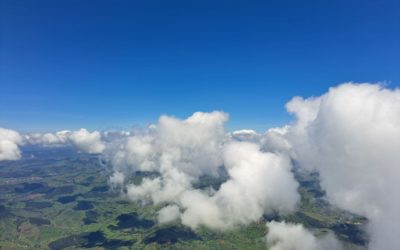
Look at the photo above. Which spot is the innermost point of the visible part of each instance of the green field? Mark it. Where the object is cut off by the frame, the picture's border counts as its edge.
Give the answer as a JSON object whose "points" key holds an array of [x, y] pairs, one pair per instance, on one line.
{"points": [[61, 200]]}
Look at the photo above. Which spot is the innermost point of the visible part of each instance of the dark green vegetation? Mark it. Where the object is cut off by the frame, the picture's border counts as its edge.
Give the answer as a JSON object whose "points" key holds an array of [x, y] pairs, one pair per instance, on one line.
{"points": [[60, 200], [171, 235], [132, 221], [89, 240], [83, 205]]}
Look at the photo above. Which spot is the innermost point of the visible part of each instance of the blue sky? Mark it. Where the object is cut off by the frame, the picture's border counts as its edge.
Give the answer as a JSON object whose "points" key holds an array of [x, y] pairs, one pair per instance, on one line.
{"points": [[117, 64]]}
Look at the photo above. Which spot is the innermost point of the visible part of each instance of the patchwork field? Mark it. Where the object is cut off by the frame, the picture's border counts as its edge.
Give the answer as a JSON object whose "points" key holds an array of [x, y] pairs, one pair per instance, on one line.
{"points": [[58, 199]]}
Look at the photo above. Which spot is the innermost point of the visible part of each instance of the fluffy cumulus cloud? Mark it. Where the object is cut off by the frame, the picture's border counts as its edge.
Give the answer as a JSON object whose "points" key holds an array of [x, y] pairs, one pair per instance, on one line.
{"points": [[10, 141], [287, 236], [49, 139], [258, 183], [89, 142], [273, 140], [181, 151], [245, 135], [117, 179], [351, 135], [168, 214], [191, 146]]}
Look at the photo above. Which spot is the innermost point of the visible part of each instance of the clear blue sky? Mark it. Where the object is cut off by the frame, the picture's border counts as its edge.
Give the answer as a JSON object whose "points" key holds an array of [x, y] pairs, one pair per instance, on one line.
{"points": [[114, 64]]}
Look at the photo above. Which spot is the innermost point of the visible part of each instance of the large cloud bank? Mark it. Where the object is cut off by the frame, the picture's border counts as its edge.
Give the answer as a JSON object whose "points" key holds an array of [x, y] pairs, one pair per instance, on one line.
{"points": [[182, 151], [10, 141], [351, 135]]}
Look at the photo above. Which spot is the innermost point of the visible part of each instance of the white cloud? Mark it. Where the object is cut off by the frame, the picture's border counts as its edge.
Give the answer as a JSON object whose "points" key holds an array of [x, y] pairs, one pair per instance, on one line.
{"points": [[183, 150], [10, 141], [274, 140], [191, 146], [114, 135], [245, 135], [89, 142], [287, 236], [49, 139], [259, 183], [180, 150], [117, 179], [351, 135], [168, 214]]}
